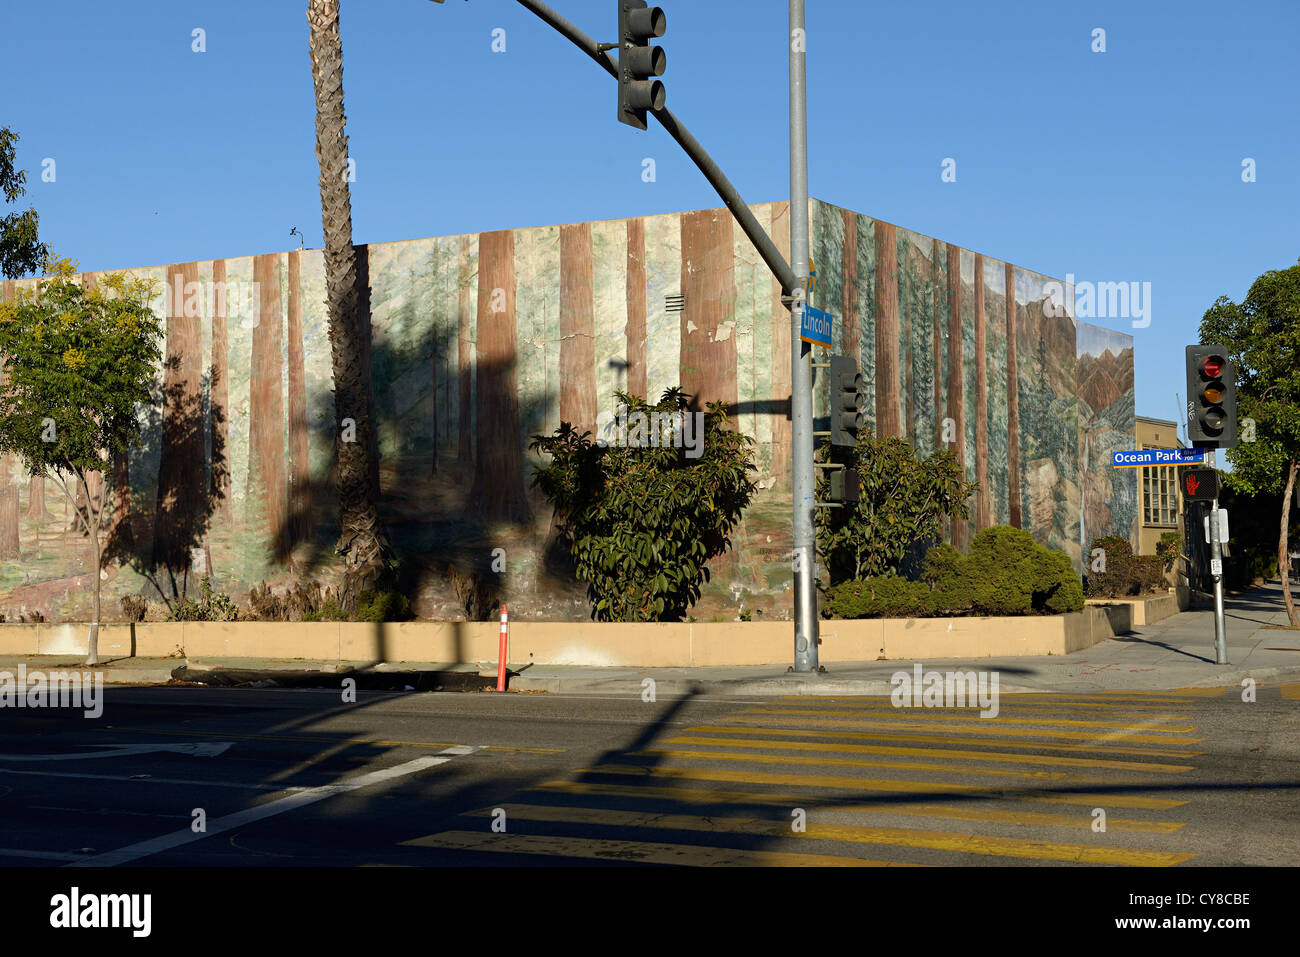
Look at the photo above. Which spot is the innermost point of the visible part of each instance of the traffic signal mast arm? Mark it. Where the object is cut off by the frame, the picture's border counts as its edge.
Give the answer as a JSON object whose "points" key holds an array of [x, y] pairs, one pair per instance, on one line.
{"points": [[721, 185]]}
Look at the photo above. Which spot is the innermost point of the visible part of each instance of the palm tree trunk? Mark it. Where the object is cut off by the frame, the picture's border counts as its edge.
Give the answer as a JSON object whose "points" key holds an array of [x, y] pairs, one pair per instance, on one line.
{"points": [[361, 543]]}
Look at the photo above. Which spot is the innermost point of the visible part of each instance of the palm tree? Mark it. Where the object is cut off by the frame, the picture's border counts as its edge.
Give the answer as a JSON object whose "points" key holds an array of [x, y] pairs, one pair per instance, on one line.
{"points": [[362, 544]]}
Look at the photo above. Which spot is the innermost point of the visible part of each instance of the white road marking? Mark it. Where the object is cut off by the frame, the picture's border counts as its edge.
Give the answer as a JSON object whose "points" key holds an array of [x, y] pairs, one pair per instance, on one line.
{"points": [[290, 802], [198, 750], [38, 855], [139, 780]]}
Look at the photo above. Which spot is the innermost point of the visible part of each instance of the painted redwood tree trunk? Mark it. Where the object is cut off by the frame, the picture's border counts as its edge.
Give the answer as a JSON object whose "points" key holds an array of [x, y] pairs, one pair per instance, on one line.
{"points": [[180, 505], [577, 329], [300, 523], [219, 404], [267, 472], [888, 417], [708, 318], [636, 308], [361, 543], [498, 487]]}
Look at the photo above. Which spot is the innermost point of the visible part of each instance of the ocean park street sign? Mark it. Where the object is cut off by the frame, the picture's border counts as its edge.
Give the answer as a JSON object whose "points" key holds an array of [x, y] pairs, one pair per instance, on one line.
{"points": [[1157, 457]]}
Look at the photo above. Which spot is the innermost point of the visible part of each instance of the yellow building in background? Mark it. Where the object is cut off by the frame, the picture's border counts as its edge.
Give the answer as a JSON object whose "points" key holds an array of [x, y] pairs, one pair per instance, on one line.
{"points": [[1160, 506]]}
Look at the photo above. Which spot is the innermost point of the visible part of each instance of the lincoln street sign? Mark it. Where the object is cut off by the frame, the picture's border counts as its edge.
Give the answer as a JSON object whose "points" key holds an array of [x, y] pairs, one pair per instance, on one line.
{"points": [[1149, 457], [815, 327]]}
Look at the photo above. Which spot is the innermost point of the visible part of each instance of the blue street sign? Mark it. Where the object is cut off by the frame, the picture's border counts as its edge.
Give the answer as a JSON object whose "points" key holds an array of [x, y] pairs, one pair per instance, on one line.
{"points": [[815, 327], [1150, 457]]}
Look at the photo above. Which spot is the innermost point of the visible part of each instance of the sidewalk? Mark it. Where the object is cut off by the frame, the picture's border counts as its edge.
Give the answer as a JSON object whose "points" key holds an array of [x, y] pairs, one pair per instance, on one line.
{"points": [[1175, 653]]}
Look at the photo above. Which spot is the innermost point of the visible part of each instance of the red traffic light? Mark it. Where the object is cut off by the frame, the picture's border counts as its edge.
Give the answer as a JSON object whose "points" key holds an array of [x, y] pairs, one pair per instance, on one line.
{"points": [[1212, 367]]}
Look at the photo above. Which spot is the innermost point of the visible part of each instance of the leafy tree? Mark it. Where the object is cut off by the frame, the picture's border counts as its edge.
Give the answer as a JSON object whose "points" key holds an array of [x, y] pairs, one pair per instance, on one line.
{"points": [[643, 521], [21, 250], [78, 363], [902, 501], [1262, 336]]}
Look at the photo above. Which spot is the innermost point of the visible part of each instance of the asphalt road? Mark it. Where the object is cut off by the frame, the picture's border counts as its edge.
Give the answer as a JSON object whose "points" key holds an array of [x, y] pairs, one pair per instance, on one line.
{"points": [[298, 777]]}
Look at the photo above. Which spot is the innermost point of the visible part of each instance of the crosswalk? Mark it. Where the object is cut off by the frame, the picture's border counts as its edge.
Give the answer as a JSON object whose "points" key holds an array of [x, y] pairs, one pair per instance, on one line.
{"points": [[808, 781]]}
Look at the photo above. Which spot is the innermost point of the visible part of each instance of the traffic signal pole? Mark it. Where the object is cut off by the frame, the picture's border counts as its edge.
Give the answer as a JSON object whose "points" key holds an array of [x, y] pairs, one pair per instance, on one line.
{"points": [[794, 283], [804, 482], [1216, 557]]}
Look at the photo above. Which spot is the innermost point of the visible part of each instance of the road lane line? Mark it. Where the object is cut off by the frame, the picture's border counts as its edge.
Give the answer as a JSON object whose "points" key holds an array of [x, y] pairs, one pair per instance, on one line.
{"points": [[933, 714], [150, 780], [991, 727], [982, 844], [290, 802], [824, 762], [38, 855], [715, 798], [887, 785], [633, 852], [962, 739], [1003, 757]]}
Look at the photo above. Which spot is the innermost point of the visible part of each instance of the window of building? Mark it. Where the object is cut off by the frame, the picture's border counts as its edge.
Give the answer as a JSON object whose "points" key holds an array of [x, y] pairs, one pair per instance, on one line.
{"points": [[1160, 496]]}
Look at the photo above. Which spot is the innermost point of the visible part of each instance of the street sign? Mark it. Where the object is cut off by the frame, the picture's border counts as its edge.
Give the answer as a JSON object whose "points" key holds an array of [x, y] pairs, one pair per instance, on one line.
{"points": [[1156, 457], [815, 327], [1221, 527], [1200, 485]]}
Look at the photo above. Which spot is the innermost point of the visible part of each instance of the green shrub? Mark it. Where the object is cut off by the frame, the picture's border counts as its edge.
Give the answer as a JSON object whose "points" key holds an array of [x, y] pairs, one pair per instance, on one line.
{"points": [[1005, 573], [211, 606], [884, 596], [1115, 572], [1111, 571], [1169, 548], [642, 521], [385, 605]]}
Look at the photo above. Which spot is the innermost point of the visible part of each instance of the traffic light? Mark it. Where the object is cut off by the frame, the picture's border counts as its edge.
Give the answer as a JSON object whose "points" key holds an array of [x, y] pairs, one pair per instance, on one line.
{"points": [[844, 486], [638, 61], [847, 401], [1211, 398], [1200, 485]]}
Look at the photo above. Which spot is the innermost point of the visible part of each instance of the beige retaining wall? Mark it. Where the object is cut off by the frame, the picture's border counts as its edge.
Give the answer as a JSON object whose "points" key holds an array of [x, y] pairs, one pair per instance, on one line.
{"points": [[665, 645], [1148, 611]]}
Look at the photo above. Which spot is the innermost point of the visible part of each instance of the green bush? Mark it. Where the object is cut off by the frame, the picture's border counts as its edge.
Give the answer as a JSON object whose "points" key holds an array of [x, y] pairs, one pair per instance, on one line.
{"points": [[642, 520], [1169, 548], [884, 596], [211, 606], [1005, 573], [384, 605], [1111, 572], [1115, 572]]}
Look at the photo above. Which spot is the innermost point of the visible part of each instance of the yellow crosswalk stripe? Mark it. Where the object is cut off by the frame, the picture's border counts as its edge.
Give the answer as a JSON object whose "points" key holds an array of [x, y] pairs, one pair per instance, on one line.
{"points": [[822, 761], [852, 833], [988, 727], [876, 784], [946, 714], [999, 756], [715, 797], [946, 739], [634, 852], [1005, 706]]}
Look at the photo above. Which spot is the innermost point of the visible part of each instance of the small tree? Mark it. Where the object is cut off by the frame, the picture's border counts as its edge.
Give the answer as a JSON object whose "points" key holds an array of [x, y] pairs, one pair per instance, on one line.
{"points": [[1262, 336], [78, 364], [643, 520], [21, 250], [902, 501]]}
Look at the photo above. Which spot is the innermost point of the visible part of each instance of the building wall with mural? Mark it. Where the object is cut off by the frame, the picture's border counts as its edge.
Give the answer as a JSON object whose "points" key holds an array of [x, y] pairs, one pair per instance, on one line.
{"points": [[483, 340]]}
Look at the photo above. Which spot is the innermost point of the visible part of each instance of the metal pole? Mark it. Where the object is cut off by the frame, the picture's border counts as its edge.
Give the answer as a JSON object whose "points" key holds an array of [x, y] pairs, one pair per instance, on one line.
{"points": [[805, 542], [1216, 555]]}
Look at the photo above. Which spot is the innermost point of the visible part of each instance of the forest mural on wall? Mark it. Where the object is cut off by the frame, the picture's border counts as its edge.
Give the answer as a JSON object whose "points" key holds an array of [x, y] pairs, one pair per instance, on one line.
{"points": [[483, 340]]}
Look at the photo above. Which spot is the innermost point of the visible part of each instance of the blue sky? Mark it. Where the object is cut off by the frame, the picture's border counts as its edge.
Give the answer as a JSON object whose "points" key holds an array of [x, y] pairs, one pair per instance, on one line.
{"points": [[1122, 166]]}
